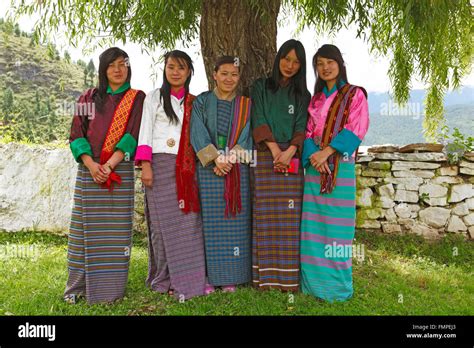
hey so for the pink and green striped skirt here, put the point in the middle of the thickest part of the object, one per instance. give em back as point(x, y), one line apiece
point(327, 231)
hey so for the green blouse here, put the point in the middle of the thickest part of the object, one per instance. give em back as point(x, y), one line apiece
point(278, 117)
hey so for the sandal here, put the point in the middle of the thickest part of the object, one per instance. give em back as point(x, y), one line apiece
point(209, 289)
point(229, 288)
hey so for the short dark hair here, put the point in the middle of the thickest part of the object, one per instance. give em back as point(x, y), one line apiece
point(227, 60)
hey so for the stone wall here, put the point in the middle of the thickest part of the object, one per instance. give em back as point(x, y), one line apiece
point(399, 190)
point(414, 189)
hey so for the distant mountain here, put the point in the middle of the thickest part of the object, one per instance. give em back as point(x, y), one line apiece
point(464, 96)
point(405, 129)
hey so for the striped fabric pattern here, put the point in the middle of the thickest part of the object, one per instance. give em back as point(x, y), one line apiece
point(224, 113)
point(227, 240)
point(175, 240)
point(99, 243)
point(276, 225)
point(327, 228)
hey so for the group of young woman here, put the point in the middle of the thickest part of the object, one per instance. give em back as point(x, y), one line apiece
point(237, 189)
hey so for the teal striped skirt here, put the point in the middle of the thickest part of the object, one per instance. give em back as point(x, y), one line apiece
point(327, 231)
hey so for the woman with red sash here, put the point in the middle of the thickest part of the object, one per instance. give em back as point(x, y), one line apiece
point(175, 241)
point(103, 141)
point(338, 121)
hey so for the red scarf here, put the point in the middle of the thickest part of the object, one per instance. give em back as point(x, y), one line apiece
point(338, 114)
point(233, 202)
point(186, 185)
point(115, 133)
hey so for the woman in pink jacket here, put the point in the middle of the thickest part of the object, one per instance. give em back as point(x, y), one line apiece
point(337, 123)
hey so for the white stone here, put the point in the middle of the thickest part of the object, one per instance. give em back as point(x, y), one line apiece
point(405, 165)
point(384, 165)
point(461, 209)
point(471, 232)
point(385, 202)
point(391, 228)
point(410, 184)
point(455, 224)
point(470, 203)
point(390, 215)
point(364, 198)
point(37, 187)
point(366, 182)
point(413, 174)
point(461, 192)
point(406, 221)
point(386, 191)
point(467, 171)
point(403, 210)
point(369, 224)
point(406, 196)
point(425, 231)
point(467, 164)
point(433, 190)
point(365, 158)
point(447, 180)
point(469, 219)
point(449, 171)
point(376, 173)
point(437, 201)
point(422, 156)
point(435, 216)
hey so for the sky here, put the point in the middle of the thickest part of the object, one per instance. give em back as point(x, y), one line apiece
point(363, 69)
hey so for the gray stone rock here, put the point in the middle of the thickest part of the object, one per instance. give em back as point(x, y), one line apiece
point(364, 197)
point(366, 182)
point(470, 203)
point(469, 219)
point(433, 190)
point(407, 165)
point(425, 231)
point(466, 164)
point(447, 180)
point(435, 216)
point(413, 174)
point(403, 210)
point(383, 165)
point(406, 196)
point(377, 173)
point(372, 224)
point(449, 171)
point(455, 224)
point(422, 157)
point(466, 171)
point(471, 232)
point(386, 191)
point(461, 192)
point(410, 184)
point(390, 215)
point(391, 228)
point(461, 209)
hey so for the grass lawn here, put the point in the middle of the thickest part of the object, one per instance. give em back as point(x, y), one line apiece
point(400, 275)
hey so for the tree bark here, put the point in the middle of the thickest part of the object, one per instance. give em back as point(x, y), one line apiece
point(235, 28)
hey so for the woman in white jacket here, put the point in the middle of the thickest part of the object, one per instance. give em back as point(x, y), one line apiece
point(176, 249)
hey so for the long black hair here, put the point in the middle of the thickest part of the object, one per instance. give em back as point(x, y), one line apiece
point(297, 82)
point(107, 57)
point(165, 89)
point(329, 52)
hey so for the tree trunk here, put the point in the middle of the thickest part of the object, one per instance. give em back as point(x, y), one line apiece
point(235, 28)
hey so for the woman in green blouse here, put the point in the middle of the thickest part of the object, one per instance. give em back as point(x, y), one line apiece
point(279, 115)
